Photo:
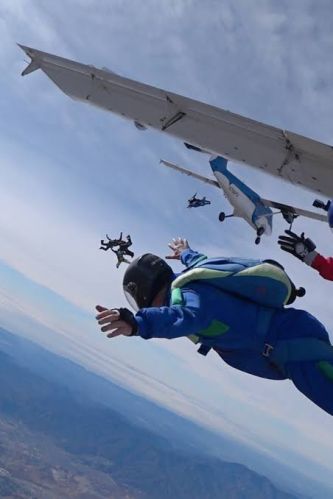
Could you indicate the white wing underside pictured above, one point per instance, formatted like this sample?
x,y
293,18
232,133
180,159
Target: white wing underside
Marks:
x,y
285,208
285,154
190,173
267,202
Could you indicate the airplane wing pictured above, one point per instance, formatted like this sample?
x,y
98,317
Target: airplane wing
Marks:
x,y
282,153
180,169
294,211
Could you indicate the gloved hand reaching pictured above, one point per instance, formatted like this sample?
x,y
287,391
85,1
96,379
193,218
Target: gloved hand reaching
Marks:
x,y
299,246
120,321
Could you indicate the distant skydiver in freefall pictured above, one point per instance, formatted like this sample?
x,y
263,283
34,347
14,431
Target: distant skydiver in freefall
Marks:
x,y
304,248
269,341
120,256
124,245
195,202
111,243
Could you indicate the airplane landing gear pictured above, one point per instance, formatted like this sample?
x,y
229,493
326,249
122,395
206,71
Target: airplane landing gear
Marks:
x,y
289,217
260,232
223,216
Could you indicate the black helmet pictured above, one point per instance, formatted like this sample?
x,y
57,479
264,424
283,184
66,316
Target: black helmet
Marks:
x,y
144,278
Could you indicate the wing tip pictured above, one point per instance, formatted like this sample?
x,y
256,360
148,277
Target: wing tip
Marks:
x,y
34,64
25,48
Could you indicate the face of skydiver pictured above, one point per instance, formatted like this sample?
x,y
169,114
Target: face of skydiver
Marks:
x,y
145,279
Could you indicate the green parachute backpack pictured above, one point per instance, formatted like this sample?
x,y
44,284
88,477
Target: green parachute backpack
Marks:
x,y
264,282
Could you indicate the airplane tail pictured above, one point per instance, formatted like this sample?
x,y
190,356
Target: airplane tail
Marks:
x,y
218,164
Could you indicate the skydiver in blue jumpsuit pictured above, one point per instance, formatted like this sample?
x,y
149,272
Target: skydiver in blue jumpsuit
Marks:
x,y
284,343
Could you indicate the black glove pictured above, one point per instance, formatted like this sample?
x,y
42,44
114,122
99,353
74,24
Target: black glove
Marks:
x,y
298,246
127,316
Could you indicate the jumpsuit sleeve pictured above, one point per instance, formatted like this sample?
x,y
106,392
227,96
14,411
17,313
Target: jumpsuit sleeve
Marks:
x,y
189,257
174,321
324,265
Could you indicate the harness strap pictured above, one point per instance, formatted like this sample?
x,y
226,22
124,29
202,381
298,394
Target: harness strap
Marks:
x,y
265,315
267,338
204,349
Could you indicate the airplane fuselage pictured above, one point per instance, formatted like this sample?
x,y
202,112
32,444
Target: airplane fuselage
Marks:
x,y
247,204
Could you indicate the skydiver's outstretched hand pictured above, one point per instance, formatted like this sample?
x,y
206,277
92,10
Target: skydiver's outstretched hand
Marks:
x,y
177,245
299,246
120,321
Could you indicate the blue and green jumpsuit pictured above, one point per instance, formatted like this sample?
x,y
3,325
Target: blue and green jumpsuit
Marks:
x,y
270,343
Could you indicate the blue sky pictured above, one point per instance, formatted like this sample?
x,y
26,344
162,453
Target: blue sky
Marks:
x,y
70,173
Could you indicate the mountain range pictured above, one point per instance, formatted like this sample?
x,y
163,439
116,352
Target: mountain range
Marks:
x,y
66,432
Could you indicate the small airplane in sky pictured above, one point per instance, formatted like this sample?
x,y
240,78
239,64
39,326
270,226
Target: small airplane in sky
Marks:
x,y
297,159
195,202
247,204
